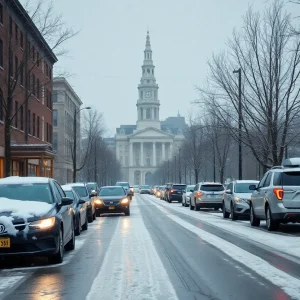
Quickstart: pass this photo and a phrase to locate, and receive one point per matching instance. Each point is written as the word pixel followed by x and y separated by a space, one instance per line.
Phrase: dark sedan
pixel 82 190
pixel 114 199
pixel 36 218
pixel 80 209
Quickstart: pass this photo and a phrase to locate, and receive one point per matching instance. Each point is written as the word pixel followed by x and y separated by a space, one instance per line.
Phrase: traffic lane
pixel 73 280
pixel 197 269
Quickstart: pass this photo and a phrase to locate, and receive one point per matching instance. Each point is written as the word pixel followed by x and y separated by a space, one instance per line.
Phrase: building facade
pixel 141 148
pixel 26 63
pixel 65 105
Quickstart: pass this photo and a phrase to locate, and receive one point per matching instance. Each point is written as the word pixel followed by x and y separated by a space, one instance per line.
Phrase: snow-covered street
pixel 164 251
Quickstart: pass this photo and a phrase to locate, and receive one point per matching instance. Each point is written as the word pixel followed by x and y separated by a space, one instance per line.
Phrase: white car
pixel 186 196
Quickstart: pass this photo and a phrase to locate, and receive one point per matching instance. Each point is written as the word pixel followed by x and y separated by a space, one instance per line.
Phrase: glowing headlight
pixel 241 200
pixel 43 224
pixel 124 201
pixel 98 201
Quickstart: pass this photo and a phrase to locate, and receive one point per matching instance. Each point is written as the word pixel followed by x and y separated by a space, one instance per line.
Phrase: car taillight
pixel 198 194
pixel 279 192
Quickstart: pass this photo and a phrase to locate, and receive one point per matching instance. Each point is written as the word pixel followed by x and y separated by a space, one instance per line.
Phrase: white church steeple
pixel 148 103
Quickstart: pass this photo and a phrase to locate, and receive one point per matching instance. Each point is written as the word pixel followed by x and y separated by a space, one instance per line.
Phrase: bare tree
pixel 269 57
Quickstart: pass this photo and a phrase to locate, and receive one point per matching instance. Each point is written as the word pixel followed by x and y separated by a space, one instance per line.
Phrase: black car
pixel 145 189
pixel 80 209
pixel 114 200
pixel 129 190
pixel 175 192
pixel 36 218
pixel 84 194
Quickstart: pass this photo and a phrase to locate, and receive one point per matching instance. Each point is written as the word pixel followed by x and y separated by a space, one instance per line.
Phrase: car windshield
pixel 212 187
pixel 27 192
pixel 290 178
pixel 81 191
pixel 145 187
pixel 91 186
pixel 190 188
pixel 123 184
pixel 112 191
pixel 243 187
pixel 179 187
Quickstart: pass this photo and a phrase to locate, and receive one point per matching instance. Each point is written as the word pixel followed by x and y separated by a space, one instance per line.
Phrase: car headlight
pixel 124 201
pixel 98 201
pixel 43 224
pixel 240 200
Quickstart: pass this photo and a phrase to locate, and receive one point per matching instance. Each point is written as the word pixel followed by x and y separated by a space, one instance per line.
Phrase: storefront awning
pixel 32 151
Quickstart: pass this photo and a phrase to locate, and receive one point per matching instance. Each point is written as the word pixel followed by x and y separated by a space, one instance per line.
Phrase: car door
pixel 66 212
pixel 192 200
pixel 228 196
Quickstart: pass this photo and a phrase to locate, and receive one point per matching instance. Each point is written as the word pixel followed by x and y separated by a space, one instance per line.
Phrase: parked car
pixel 276 199
pixel 207 195
pixel 36 218
pixel 167 190
pixel 175 192
pixel 145 189
pixel 80 209
pixel 127 188
pixel 83 192
pixel 186 195
pixel 236 199
pixel 114 200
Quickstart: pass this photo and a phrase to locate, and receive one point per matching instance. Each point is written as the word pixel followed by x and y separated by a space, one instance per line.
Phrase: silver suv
pixel 207 195
pixel 277 196
pixel 237 198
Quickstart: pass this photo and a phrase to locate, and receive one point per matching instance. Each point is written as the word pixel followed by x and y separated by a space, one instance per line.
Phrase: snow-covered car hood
pixel 243 195
pixel 112 197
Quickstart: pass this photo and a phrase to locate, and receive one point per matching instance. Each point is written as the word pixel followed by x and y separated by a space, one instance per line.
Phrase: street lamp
pixel 239 71
pixel 75 140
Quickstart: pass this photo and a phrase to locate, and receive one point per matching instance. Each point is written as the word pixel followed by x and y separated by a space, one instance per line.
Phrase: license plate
pixel 111 207
pixel 4 242
pixel 211 196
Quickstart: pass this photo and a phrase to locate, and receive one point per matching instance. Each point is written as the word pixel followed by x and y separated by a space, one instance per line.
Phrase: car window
pixel 179 187
pixel 277 178
pixel 145 187
pixel 261 183
pixel 112 191
pixel 212 187
pixel 291 178
pixel 80 190
pixel 69 194
pixel 190 188
pixel 57 193
pixel 243 187
pixel 230 187
pixel 60 190
pixel 196 187
pixel 268 180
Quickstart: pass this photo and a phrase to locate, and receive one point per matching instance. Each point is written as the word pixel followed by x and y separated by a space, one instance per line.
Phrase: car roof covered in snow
pixel 24 180
pixel 75 184
pixel 67 188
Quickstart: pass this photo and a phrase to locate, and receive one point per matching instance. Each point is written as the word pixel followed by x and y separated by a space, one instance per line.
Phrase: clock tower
pixel 148 103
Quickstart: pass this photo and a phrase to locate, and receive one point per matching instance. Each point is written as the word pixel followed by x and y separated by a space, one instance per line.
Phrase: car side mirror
pixel 66 201
pixel 81 201
pixel 252 187
pixel 228 191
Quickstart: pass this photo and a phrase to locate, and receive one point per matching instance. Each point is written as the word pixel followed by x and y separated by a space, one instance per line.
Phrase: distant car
pixel 162 191
pixel 145 189
pixel 276 199
pixel 167 190
pixel 186 195
pixel 80 209
pixel 236 199
pixel 136 189
pixel 83 192
pixel 92 187
pixel 158 192
pixel 207 195
pixel 36 218
pixel 114 200
pixel 175 192
pixel 127 187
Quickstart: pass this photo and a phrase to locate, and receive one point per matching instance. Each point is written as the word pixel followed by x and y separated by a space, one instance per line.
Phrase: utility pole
pixel 175 175
pixel 214 162
pixel 239 71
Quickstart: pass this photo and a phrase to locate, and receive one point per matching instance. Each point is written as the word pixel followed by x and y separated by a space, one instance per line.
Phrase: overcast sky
pixel 105 58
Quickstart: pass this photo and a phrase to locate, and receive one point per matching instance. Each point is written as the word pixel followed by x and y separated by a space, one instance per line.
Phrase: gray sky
pixel 106 56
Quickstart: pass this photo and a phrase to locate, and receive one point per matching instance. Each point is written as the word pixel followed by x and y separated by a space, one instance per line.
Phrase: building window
pixel 29 122
pixel 16 67
pixel 33 124
pixel 148 113
pixel 55 141
pixel 1 13
pixel 10 25
pixel 21 117
pixel 38 127
pixel 54 117
pixel 141 94
pixel 54 97
pixel 16 113
pixel 21 40
pixel 33 84
pixel 38 88
pixel 1 53
pixel 1 105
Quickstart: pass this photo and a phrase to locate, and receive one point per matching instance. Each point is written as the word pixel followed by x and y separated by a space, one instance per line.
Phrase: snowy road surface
pixel 164 251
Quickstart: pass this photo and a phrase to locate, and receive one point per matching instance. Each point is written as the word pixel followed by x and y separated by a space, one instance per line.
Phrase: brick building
pixel 26 63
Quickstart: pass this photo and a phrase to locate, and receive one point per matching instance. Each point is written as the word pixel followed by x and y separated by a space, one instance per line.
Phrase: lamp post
pixel 175 175
pixel 75 141
pixel 239 71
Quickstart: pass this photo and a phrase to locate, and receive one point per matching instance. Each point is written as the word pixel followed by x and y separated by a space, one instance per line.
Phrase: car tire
pixel 78 227
pixel 91 217
pixel 71 244
pixel 94 216
pixel 58 257
pixel 85 226
pixel 225 213
pixel 127 212
pixel 255 222
pixel 233 216
pixel 271 223
pixel 191 206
